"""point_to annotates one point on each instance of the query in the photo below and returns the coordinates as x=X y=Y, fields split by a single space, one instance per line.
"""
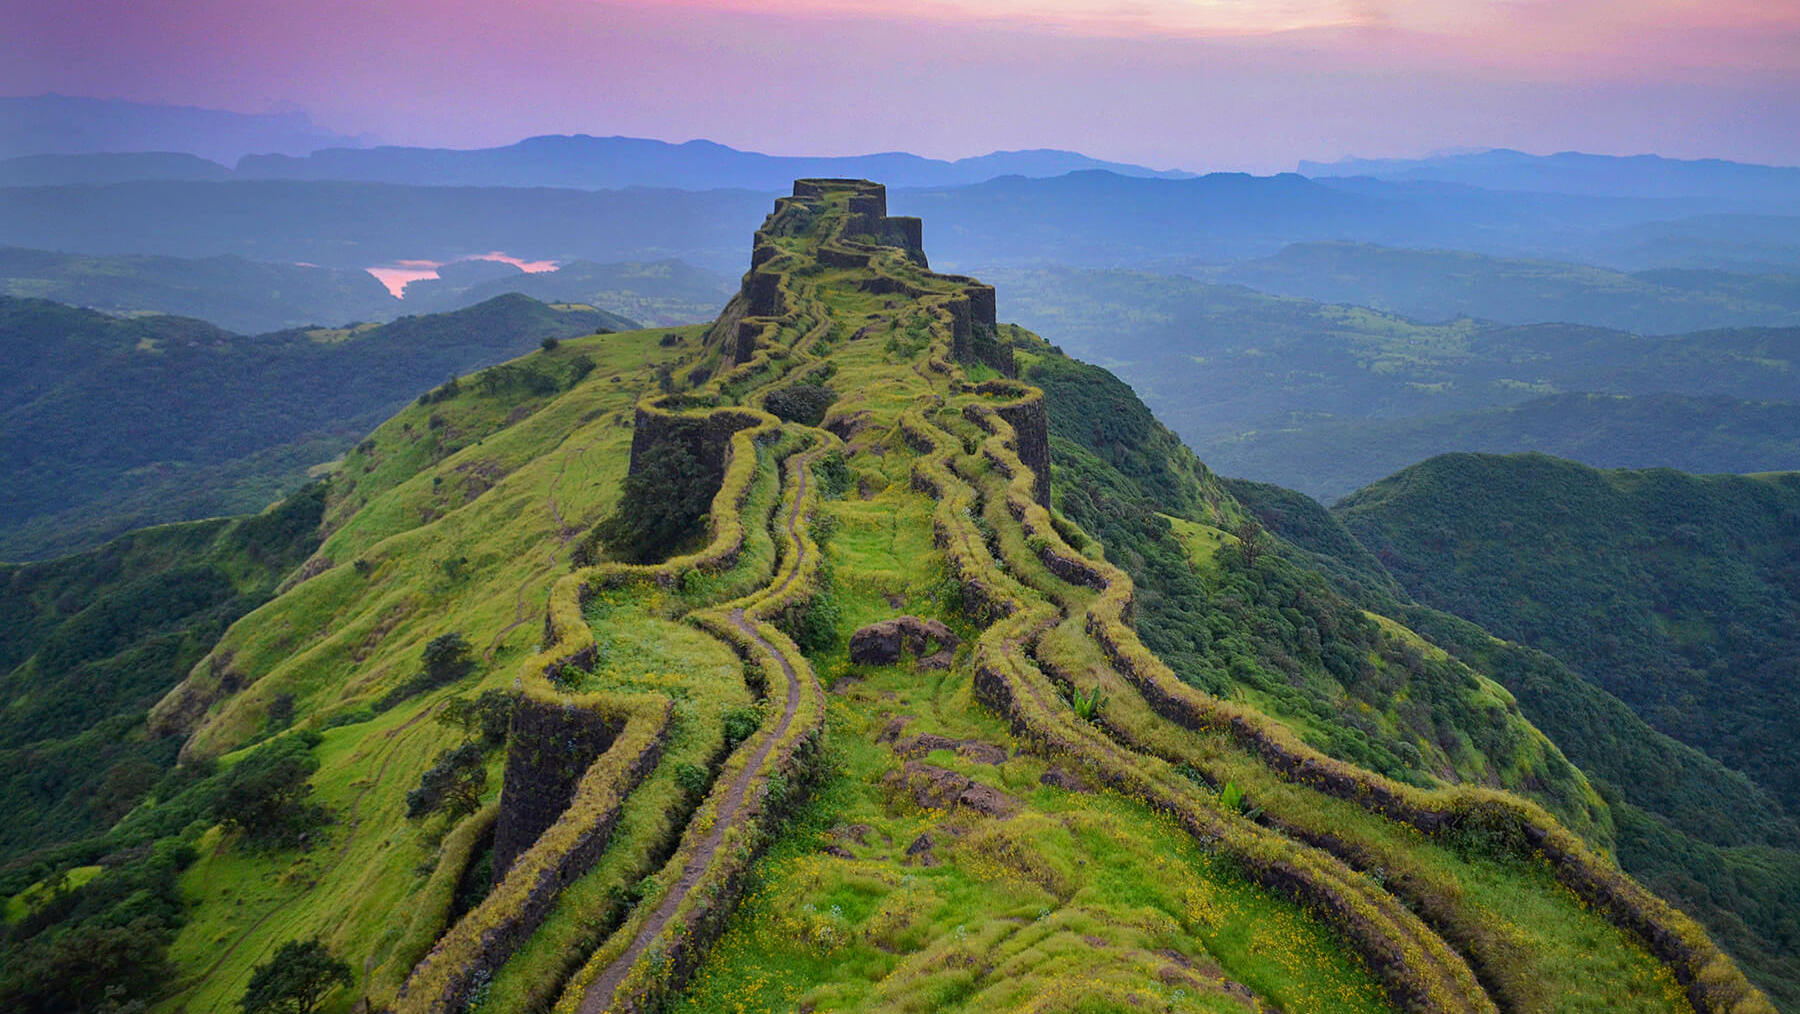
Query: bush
x=453 y=785
x=834 y=475
x=800 y=403
x=692 y=778
x=662 y=506
x=296 y=980
x=267 y=795
x=741 y=724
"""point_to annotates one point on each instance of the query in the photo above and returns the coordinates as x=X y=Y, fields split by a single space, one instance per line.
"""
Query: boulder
x=887 y=641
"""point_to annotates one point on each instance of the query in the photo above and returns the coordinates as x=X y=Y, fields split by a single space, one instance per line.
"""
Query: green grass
x=20 y=905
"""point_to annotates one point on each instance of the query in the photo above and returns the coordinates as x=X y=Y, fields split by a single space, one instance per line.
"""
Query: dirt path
x=599 y=996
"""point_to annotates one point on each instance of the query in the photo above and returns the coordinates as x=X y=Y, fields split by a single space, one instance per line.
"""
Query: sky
x=1193 y=84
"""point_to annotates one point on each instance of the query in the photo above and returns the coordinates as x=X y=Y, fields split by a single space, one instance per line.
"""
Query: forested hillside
x=1679 y=594
x=116 y=423
x=1696 y=830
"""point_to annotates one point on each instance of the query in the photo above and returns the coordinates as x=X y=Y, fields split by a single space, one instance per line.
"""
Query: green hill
x=117 y=423
x=1332 y=457
x=1697 y=831
x=1677 y=593
x=813 y=641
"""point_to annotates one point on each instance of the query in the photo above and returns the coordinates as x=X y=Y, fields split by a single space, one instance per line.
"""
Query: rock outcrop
x=888 y=641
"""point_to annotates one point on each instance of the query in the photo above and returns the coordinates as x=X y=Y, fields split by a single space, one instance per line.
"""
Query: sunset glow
x=1197 y=84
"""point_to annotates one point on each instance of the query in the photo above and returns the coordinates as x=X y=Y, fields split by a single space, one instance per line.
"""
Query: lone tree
x=447 y=659
x=453 y=785
x=296 y=980
x=1253 y=541
x=267 y=795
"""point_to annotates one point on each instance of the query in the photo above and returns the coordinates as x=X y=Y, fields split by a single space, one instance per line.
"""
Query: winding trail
x=600 y=994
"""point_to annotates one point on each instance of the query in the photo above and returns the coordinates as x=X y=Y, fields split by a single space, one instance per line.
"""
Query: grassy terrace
x=765 y=825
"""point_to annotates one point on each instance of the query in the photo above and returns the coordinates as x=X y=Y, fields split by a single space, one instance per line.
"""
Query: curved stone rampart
x=549 y=748
x=1713 y=983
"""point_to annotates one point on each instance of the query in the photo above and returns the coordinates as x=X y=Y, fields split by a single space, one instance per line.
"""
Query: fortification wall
x=549 y=748
x=706 y=437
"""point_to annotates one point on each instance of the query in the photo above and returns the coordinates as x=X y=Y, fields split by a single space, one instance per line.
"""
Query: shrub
x=453 y=785
x=296 y=980
x=801 y=403
x=834 y=475
x=549 y=344
x=741 y=724
x=691 y=777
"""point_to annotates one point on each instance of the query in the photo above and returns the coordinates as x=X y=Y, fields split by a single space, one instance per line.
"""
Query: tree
x=660 y=507
x=71 y=970
x=1252 y=541
x=486 y=718
x=296 y=980
x=267 y=794
x=447 y=659
x=453 y=785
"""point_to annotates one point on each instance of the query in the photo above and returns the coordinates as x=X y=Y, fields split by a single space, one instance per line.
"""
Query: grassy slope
x=185 y=407
x=342 y=638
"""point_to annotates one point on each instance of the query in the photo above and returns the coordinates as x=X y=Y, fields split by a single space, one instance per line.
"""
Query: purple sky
x=1197 y=84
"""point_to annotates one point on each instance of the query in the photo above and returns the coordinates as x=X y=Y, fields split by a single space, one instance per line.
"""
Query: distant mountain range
x=578 y=162
x=609 y=162
x=70 y=125
x=1092 y=218
x=1574 y=172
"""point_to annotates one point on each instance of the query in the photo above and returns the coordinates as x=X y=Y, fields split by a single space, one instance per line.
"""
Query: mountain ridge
x=708 y=826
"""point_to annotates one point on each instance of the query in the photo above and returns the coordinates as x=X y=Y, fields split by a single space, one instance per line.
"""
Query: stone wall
x=548 y=749
x=706 y=437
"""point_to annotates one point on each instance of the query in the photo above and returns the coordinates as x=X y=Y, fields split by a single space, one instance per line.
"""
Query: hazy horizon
x=1224 y=85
